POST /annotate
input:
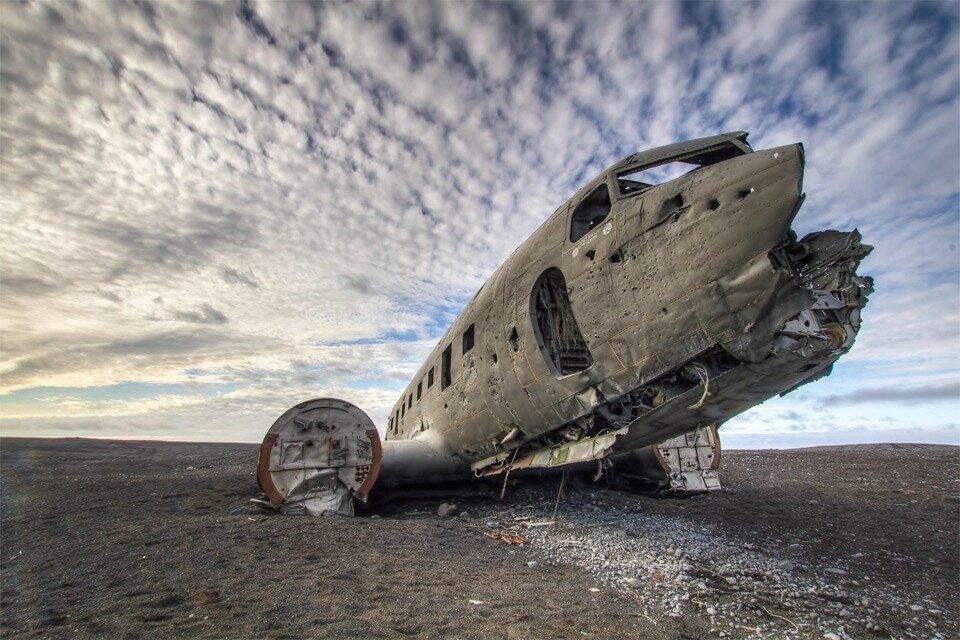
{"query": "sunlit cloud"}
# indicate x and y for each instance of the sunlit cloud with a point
(288, 200)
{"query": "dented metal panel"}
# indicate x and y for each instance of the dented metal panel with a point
(674, 303)
(318, 456)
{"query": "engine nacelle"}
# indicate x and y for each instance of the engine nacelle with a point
(318, 456)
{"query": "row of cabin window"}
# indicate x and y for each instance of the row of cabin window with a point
(446, 377)
(591, 211)
(587, 215)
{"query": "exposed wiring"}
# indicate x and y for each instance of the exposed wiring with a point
(503, 487)
(704, 376)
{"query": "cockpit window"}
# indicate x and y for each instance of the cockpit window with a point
(591, 211)
(640, 178)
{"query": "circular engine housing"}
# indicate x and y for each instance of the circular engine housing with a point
(318, 457)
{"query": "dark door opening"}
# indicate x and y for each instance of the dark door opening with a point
(558, 334)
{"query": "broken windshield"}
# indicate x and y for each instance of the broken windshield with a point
(640, 178)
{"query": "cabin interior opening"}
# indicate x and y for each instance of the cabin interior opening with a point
(558, 333)
(643, 177)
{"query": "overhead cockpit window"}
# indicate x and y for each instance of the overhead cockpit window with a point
(591, 211)
(643, 177)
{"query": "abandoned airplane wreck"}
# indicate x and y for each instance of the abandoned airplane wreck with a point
(666, 296)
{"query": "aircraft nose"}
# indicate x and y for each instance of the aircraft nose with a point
(763, 193)
(794, 151)
(771, 174)
(786, 166)
(789, 154)
(727, 213)
(765, 183)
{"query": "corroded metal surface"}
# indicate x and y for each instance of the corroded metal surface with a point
(673, 289)
(666, 296)
(319, 456)
(682, 465)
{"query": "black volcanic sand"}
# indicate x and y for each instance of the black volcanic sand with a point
(136, 540)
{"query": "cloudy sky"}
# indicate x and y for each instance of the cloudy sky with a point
(211, 212)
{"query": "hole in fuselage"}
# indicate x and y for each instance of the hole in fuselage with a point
(556, 328)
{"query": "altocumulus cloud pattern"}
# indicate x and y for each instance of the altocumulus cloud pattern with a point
(212, 211)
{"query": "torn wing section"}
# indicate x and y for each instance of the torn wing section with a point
(683, 465)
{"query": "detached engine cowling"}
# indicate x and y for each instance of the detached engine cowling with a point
(318, 456)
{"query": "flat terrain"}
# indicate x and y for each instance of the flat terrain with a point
(137, 540)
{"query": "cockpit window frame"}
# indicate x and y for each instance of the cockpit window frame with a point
(575, 224)
(729, 145)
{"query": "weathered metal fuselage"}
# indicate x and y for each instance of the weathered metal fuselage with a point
(671, 272)
(639, 311)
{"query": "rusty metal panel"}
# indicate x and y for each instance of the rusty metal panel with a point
(318, 456)
(683, 303)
